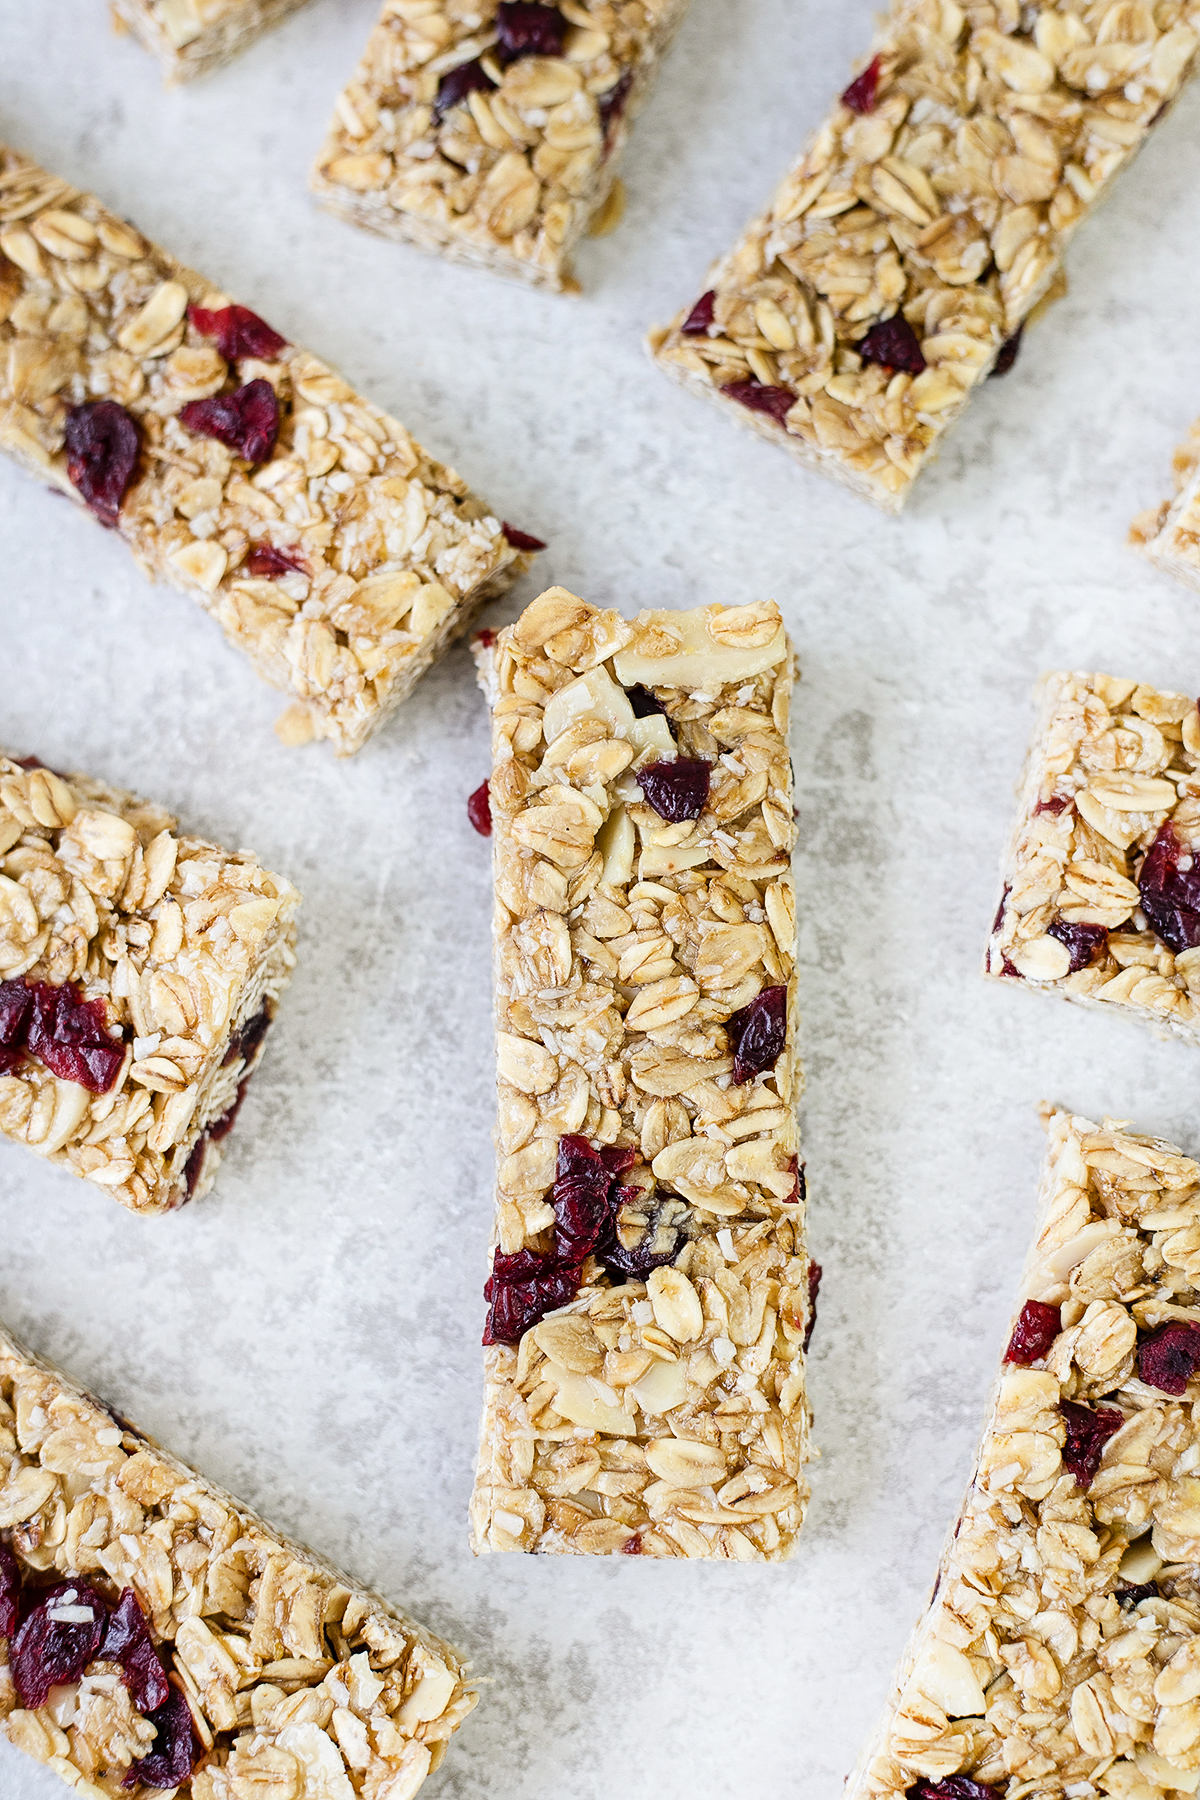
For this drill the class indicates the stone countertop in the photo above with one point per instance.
(308, 1334)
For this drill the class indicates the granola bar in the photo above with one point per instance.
(1060, 1649)
(190, 37)
(650, 1292)
(327, 544)
(1170, 535)
(1101, 902)
(924, 223)
(491, 132)
(169, 1639)
(139, 973)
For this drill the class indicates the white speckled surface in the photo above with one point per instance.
(308, 1334)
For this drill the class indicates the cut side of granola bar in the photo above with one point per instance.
(924, 224)
(140, 971)
(1060, 1652)
(190, 37)
(1170, 535)
(1101, 902)
(650, 1292)
(327, 544)
(492, 134)
(155, 1634)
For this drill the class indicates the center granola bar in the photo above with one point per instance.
(650, 1293)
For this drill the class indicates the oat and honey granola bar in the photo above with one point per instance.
(492, 132)
(327, 544)
(925, 222)
(190, 37)
(139, 974)
(1101, 900)
(650, 1291)
(1060, 1653)
(1170, 535)
(155, 1634)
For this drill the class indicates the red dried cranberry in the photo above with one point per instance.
(10, 1592)
(814, 1287)
(221, 1128)
(1088, 1430)
(49, 1651)
(776, 402)
(952, 1787)
(583, 1180)
(127, 1641)
(465, 78)
(1169, 886)
(479, 809)
(194, 1165)
(644, 703)
(1010, 349)
(612, 105)
(676, 790)
(486, 637)
(522, 1289)
(758, 1033)
(639, 1261)
(16, 1004)
(526, 29)
(1084, 942)
(999, 918)
(245, 1043)
(266, 563)
(632, 1546)
(863, 91)
(103, 442)
(246, 421)
(1168, 1358)
(520, 540)
(238, 332)
(175, 1751)
(1129, 1597)
(701, 316)
(1057, 804)
(1011, 970)
(894, 343)
(70, 1035)
(1033, 1333)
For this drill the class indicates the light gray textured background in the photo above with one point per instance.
(308, 1334)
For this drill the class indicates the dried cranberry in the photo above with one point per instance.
(520, 540)
(635, 1262)
(776, 402)
(1084, 942)
(701, 316)
(952, 1787)
(16, 1004)
(238, 332)
(103, 442)
(1168, 1358)
(612, 105)
(49, 1651)
(522, 1289)
(1129, 1597)
(646, 704)
(10, 1592)
(465, 78)
(526, 29)
(245, 1043)
(632, 1546)
(1011, 970)
(814, 1287)
(486, 637)
(246, 421)
(863, 91)
(1033, 1333)
(894, 343)
(758, 1033)
(999, 918)
(1057, 804)
(221, 1128)
(479, 809)
(175, 1751)
(69, 1034)
(1010, 349)
(676, 790)
(127, 1641)
(583, 1180)
(266, 563)
(1169, 886)
(1088, 1430)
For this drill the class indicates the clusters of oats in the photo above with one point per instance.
(187, 946)
(1112, 768)
(668, 1416)
(1170, 534)
(995, 129)
(511, 176)
(298, 1683)
(397, 554)
(1060, 1654)
(190, 37)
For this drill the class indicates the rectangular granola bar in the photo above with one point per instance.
(650, 1288)
(139, 973)
(327, 544)
(1101, 902)
(190, 37)
(1060, 1651)
(1170, 536)
(491, 132)
(926, 220)
(169, 1639)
